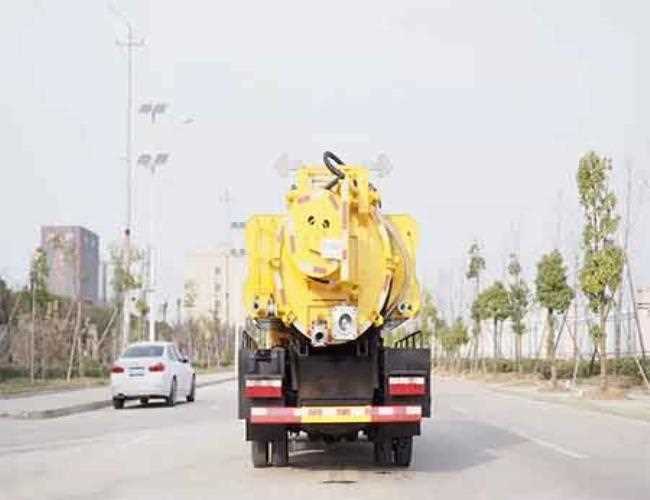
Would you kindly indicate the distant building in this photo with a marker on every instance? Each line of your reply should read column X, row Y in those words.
column 73, row 259
column 216, row 277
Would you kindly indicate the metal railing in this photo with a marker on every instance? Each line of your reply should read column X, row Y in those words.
column 412, row 341
column 247, row 341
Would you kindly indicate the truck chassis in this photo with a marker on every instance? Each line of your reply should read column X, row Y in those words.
column 334, row 393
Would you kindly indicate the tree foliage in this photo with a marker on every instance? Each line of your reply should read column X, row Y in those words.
column 493, row 302
column 428, row 316
column 453, row 337
column 476, row 262
column 600, row 276
column 39, row 270
column 124, row 280
column 519, row 296
column 552, row 290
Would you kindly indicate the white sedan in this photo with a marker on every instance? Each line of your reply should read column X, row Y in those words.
column 149, row 370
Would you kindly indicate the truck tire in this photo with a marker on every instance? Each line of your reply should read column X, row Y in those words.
column 280, row 452
column 383, row 453
column 118, row 403
column 403, row 451
column 260, row 453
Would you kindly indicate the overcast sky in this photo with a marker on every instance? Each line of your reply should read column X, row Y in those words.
column 482, row 107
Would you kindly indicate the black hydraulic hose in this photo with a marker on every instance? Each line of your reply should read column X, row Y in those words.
column 328, row 157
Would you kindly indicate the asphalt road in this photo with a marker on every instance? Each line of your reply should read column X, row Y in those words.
column 481, row 444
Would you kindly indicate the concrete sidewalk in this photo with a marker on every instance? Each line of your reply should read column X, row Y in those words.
column 59, row 404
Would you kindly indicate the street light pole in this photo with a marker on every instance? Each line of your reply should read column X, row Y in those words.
column 130, row 43
column 152, row 163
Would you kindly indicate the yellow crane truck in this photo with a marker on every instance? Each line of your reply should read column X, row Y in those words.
column 326, row 281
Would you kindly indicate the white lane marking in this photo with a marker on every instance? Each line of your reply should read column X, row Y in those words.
column 135, row 440
column 551, row 446
column 460, row 410
column 50, row 444
column 534, row 402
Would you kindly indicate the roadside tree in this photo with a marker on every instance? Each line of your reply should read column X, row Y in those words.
column 555, row 295
column 600, row 276
column 475, row 267
column 494, row 305
column 519, row 299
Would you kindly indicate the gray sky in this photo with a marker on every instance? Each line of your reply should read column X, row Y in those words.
column 482, row 107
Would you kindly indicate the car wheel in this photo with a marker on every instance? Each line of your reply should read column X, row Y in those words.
column 171, row 399
column 192, row 395
column 118, row 403
column 144, row 401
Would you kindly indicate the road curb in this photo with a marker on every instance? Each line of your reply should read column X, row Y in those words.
column 85, row 407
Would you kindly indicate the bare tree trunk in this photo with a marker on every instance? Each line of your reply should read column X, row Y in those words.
column 604, row 378
column 495, row 347
column 642, row 372
column 108, row 328
column 475, row 348
column 75, row 337
column 550, row 348
column 32, row 335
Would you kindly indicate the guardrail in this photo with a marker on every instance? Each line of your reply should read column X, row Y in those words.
column 247, row 341
column 412, row 341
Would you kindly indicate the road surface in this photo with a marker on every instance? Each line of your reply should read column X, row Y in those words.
column 480, row 445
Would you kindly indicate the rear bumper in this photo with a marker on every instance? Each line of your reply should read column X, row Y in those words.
column 129, row 388
column 335, row 415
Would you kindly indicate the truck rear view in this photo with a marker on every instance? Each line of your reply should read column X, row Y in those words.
column 326, row 281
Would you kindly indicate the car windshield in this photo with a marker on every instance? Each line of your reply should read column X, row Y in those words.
column 144, row 351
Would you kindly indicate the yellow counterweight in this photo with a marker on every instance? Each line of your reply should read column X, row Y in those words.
column 333, row 265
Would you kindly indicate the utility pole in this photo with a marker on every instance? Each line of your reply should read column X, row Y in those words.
column 129, row 44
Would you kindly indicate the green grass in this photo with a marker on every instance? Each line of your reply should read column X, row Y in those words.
column 22, row 385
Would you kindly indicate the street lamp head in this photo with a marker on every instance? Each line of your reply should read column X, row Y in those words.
column 159, row 108
column 161, row 159
column 146, row 108
column 144, row 159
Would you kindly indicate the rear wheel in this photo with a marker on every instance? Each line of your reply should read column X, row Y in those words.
column 192, row 395
column 144, row 401
column 260, row 453
column 118, row 403
column 403, row 451
column 280, row 451
column 383, row 453
column 171, row 399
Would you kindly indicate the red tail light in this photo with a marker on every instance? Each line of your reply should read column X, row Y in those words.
column 117, row 369
column 406, row 386
column 263, row 388
column 158, row 367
